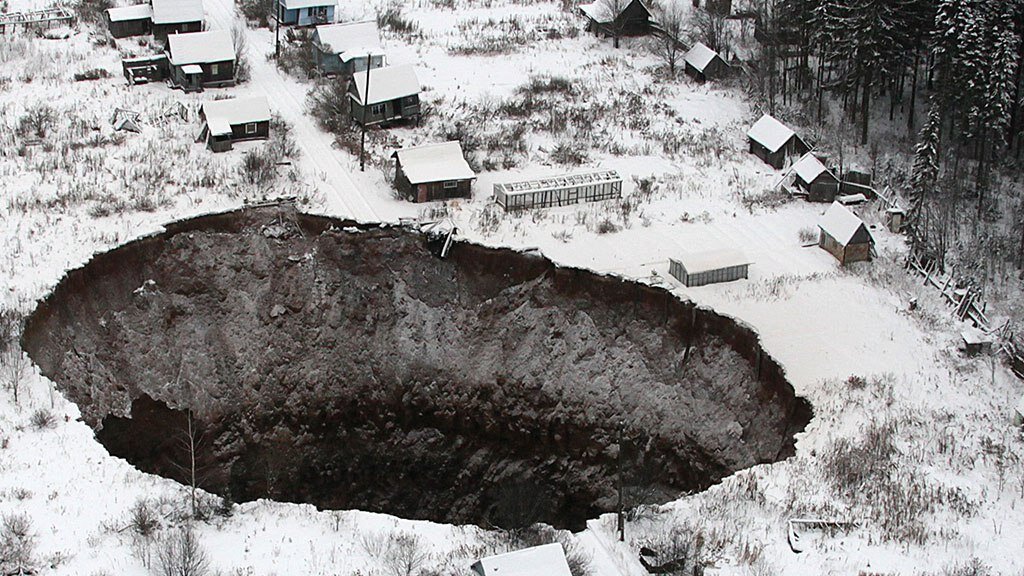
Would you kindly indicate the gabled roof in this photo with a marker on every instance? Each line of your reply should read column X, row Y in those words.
column 602, row 12
column 386, row 83
column 770, row 133
column 808, row 168
column 434, row 162
column 700, row 56
column 546, row 560
column 697, row 262
column 296, row 4
column 125, row 13
column 175, row 11
column 200, row 47
column 222, row 114
column 843, row 225
column 349, row 40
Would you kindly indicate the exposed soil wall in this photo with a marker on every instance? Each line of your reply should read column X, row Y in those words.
column 348, row 367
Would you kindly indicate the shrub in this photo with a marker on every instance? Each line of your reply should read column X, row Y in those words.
column 856, row 382
column 241, row 47
column 390, row 17
column 181, row 554
column 606, row 226
column 402, row 553
column 296, row 53
column 92, row 11
column 258, row 11
column 37, row 121
column 142, row 518
column 17, row 545
column 91, row 74
column 258, row 167
column 42, row 419
column 328, row 103
column 808, row 234
column 569, row 153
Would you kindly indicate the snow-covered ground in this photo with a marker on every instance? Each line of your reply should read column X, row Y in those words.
column 919, row 449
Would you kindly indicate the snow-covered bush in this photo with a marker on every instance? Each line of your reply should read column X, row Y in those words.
column 17, row 545
column 181, row 554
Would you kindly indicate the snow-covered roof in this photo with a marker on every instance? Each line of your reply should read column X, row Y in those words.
column 351, row 39
column 200, row 47
column 841, row 224
column 296, row 4
column 546, row 560
column 700, row 56
column 599, row 11
column 770, row 133
column 222, row 114
column 174, row 11
column 192, row 69
column 697, row 262
column 433, row 162
column 387, row 83
column 124, row 13
column 808, row 168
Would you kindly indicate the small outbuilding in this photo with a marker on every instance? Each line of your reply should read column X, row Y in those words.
column 176, row 17
column 561, row 190
column 975, row 341
column 894, row 219
column 709, row 267
column 126, row 21
column 617, row 17
column 345, row 49
column 546, row 560
column 201, row 60
column 703, row 63
column 394, row 94
column 811, row 175
column 773, row 142
column 305, row 12
column 237, row 119
column 433, row 172
column 844, row 235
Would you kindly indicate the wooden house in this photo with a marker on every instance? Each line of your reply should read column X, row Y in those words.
column 561, row 190
column 394, row 94
column 709, row 267
column 810, row 175
column 176, row 17
column 844, row 235
column 546, row 560
column 703, row 63
column 773, row 142
column 237, row 119
column 617, row 17
column 344, row 49
column 433, row 172
column 128, row 21
column 201, row 60
column 305, row 12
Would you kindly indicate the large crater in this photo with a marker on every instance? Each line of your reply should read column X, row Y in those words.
column 348, row 367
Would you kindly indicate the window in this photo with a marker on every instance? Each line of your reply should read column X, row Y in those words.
column 377, row 109
column 214, row 69
column 250, row 128
column 450, row 184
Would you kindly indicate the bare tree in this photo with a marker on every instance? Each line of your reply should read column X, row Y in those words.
column 402, row 553
column 668, row 45
column 241, row 46
column 612, row 11
column 12, row 359
column 181, row 554
column 709, row 28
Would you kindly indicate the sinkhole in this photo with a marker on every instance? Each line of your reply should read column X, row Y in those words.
column 347, row 366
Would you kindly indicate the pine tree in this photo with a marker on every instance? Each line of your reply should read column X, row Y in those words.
column 924, row 175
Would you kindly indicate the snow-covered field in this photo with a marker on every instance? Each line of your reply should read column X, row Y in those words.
column 911, row 441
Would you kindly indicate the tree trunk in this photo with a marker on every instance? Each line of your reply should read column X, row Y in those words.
column 865, row 108
column 913, row 94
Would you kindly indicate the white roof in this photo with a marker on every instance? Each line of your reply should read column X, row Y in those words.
column 697, row 262
column 222, row 114
column 123, row 13
column 840, row 223
column 351, row 39
column 174, row 11
column 200, row 47
column 433, row 162
column 770, row 133
column 546, row 560
column 599, row 11
column 387, row 83
column 296, row 4
column 808, row 168
column 700, row 56
column 192, row 69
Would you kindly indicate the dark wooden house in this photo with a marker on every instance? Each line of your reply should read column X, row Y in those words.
column 394, row 94
column 774, row 142
column 126, row 21
column 817, row 181
column 617, row 18
column 176, row 17
column 433, row 172
column 844, row 235
column 703, row 63
column 228, row 121
column 344, row 49
column 201, row 60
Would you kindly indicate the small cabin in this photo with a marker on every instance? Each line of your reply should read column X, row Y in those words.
column 709, row 267
column 201, row 60
column 844, row 235
column 811, row 176
column 305, row 12
column 176, row 17
column 774, row 142
column 894, row 219
column 237, row 119
column 394, row 94
column 127, row 21
column 344, row 49
column 433, row 172
column 975, row 342
column 546, row 560
column 633, row 19
column 703, row 63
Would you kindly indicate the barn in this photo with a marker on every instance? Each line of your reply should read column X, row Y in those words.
column 559, row 190
column 305, row 12
column 810, row 175
column 176, row 17
column 394, row 94
column 228, row 121
column 844, row 235
column 345, row 49
column 773, row 142
column 128, row 21
column 546, row 560
column 433, row 172
column 633, row 17
column 703, row 63
column 709, row 267
column 201, row 60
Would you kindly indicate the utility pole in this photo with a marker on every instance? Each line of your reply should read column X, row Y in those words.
column 621, row 512
column 366, row 104
column 277, row 33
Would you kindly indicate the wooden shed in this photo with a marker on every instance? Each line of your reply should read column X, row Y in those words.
column 345, row 49
column 844, row 235
column 811, row 175
column 176, row 17
column 709, row 267
column 305, row 12
column 128, row 21
column 234, row 120
column 773, row 142
column 703, row 63
column 433, row 172
column 559, row 190
column 394, row 94
column 546, row 560
column 617, row 17
column 201, row 60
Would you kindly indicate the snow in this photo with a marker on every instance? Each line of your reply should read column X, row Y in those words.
column 770, row 133
column 434, row 162
column 706, row 261
column 351, row 39
column 387, row 83
column 598, row 11
column 808, row 168
column 136, row 12
column 297, row 4
column 546, row 560
column 174, row 11
column 700, row 56
column 200, row 47
column 222, row 114
column 840, row 223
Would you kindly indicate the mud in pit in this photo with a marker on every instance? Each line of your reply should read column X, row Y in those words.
column 348, row 367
